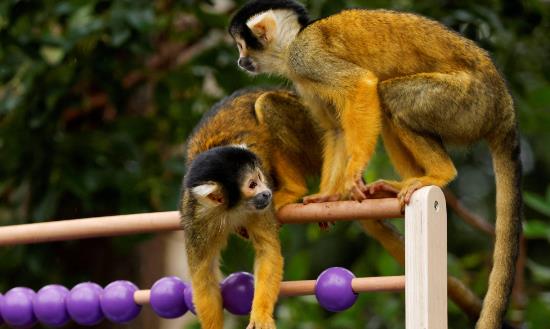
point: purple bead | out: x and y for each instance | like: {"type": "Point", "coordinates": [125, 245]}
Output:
{"type": "Point", "coordinates": [83, 304]}
{"type": "Point", "coordinates": [17, 309]}
{"type": "Point", "coordinates": [49, 305]}
{"type": "Point", "coordinates": [167, 297]}
{"type": "Point", "coordinates": [333, 289]}
{"type": "Point", "coordinates": [188, 296]}
{"type": "Point", "coordinates": [117, 302]}
{"type": "Point", "coordinates": [238, 292]}
{"type": "Point", "coordinates": [1, 319]}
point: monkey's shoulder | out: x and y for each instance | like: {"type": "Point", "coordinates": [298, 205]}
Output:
{"type": "Point", "coordinates": [236, 119]}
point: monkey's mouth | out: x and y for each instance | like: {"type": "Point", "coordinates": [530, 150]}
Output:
{"type": "Point", "coordinates": [262, 205]}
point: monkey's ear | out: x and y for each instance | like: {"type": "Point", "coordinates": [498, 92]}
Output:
{"type": "Point", "coordinates": [209, 194]}
{"type": "Point", "coordinates": [263, 26]}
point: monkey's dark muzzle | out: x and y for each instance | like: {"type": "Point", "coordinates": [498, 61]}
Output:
{"type": "Point", "coordinates": [247, 63]}
{"type": "Point", "coordinates": [262, 200]}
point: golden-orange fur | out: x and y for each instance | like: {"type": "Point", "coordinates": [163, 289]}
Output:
{"type": "Point", "coordinates": [366, 72]}
{"type": "Point", "coordinates": [273, 125]}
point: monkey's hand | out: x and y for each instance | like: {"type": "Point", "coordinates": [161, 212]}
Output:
{"type": "Point", "coordinates": [357, 189]}
{"type": "Point", "coordinates": [318, 198]}
{"type": "Point", "coordinates": [267, 323]}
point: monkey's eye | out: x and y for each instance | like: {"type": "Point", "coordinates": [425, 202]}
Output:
{"type": "Point", "coordinates": [252, 184]}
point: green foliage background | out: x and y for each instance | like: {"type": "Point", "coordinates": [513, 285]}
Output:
{"type": "Point", "coordinates": [97, 98]}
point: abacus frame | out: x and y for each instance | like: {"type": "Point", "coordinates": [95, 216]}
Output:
{"type": "Point", "coordinates": [424, 282]}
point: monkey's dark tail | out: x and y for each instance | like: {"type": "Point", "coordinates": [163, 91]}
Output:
{"type": "Point", "coordinates": [507, 167]}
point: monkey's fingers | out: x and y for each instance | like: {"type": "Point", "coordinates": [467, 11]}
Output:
{"type": "Point", "coordinates": [357, 194]}
{"type": "Point", "coordinates": [318, 198]}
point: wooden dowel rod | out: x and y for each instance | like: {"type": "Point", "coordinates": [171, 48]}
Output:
{"type": "Point", "coordinates": [142, 297]}
{"type": "Point", "coordinates": [382, 283]}
{"type": "Point", "coordinates": [89, 228]}
{"type": "Point", "coordinates": [297, 288]}
{"type": "Point", "coordinates": [307, 287]}
{"type": "Point", "coordinates": [170, 221]}
{"type": "Point", "coordinates": [340, 211]}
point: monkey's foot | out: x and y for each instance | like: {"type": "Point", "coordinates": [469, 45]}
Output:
{"type": "Point", "coordinates": [381, 189]}
{"type": "Point", "coordinates": [318, 198]}
{"type": "Point", "coordinates": [409, 187]}
{"type": "Point", "coordinates": [267, 323]}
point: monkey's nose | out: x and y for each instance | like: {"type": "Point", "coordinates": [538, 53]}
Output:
{"type": "Point", "coordinates": [266, 195]}
{"type": "Point", "coordinates": [262, 200]}
{"type": "Point", "coordinates": [246, 63]}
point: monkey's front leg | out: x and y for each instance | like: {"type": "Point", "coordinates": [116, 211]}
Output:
{"type": "Point", "coordinates": [268, 270]}
{"type": "Point", "coordinates": [205, 278]}
{"type": "Point", "coordinates": [361, 124]}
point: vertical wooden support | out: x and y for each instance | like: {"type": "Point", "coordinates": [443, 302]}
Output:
{"type": "Point", "coordinates": [426, 260]}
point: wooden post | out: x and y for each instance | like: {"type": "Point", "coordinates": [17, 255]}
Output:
{"type": "Point", "coordinates": [426, 260]}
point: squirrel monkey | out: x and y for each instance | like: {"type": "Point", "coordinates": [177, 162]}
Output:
{"type": "Point", "coordinates": [245, 147]}
{"type": "Point", "coordinates": [362, 73]}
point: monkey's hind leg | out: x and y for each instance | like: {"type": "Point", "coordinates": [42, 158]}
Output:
{"type": "Point", "coordinates": [402, 160]}
{"type": "Point", "coordinates": [268, 270]}
{"type": "Point", "coordinates": [421, 160]}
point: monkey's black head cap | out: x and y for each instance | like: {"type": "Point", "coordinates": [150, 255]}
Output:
{"type": "Point", "coordinates": [224, 165]}
{"type": "Point", "coordinates": [237, 25]}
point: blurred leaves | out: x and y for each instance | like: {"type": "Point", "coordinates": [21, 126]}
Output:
{"type": "Point", "coordinates": [538, 203]}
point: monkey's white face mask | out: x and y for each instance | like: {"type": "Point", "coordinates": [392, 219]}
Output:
{"type": "Point", "coordinates": [275, 30]}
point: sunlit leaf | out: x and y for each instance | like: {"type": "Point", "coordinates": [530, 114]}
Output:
{"type": "Point", "coordinates": [536, 229]}
{"type": "Point", "coordinates": [52, 55]}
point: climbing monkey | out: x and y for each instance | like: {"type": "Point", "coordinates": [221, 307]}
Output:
{"type": "Point", "coordinates": [363, 73]}
{"type": "Point", "coordinates": [246, 159]}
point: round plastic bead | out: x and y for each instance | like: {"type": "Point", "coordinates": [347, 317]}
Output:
{"type": "Point", "coordinates": [167, 297]}
{"type": "Point", "coordinates": [333, 289]}
{"type": "Point", "coordinates": [1, 319]}
{"type": "Point", "coordinates": [49, 305]}
{"type": "Point", "coordinates": [17, 309]}
{"type": "Point", "coordinates": [117, 302]}
{"type": "Point", "coordinates": [238, 292]}
{"type": "Point", "coordinates": [83, 304]}
{"type": "Point", "coordinates": [188, 296]}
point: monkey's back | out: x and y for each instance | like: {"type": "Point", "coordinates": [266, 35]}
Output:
{"type": "Point", "coordinates": [231, 121]}
{"type": "Point", "coordinates": [393, 44]}
{"type": "Point", "coordinates": [267, 122]}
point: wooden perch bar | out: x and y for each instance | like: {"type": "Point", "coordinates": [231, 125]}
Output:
{"type": "Point", "coordinates": [307, 287]}
{"type": "Point", "coordinates": [170, 221]}
{"type": "Point", "coordinates": [94, 227]}
{"type": "Point", "coordinates": [339, 211]}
